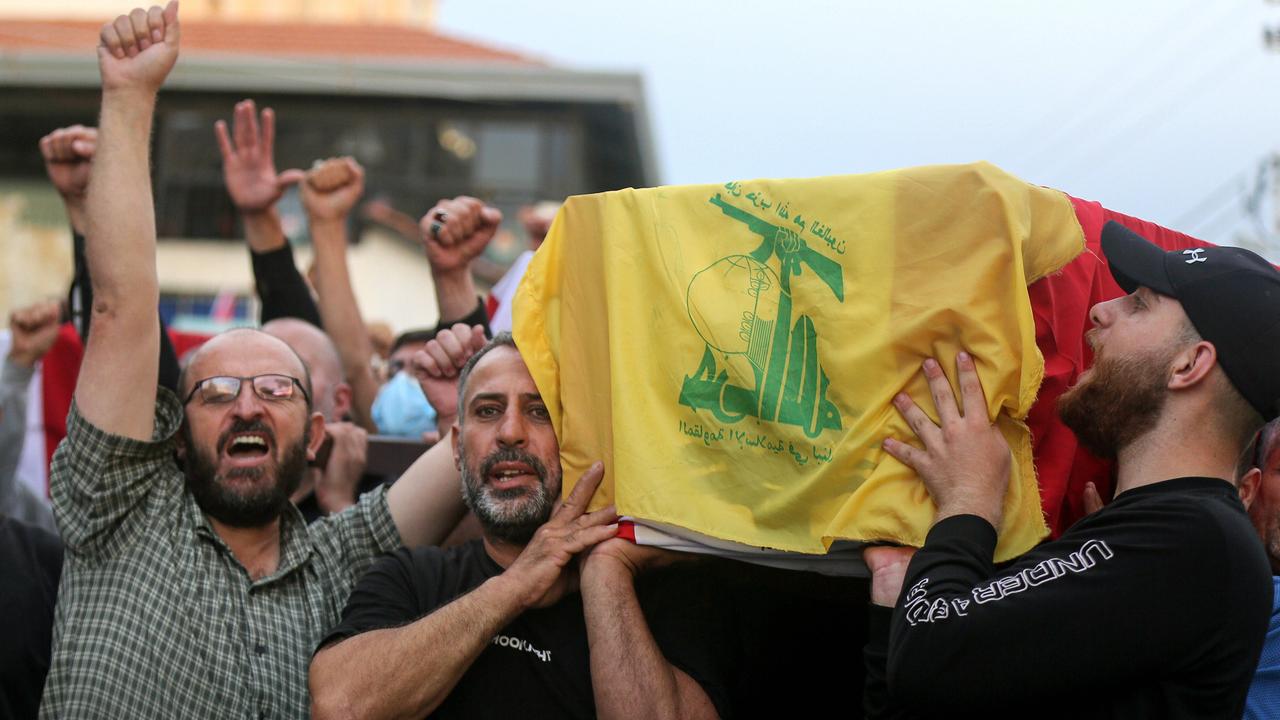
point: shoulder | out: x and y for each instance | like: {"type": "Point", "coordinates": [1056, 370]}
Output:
{"type": "Point", "coordinates": [435, 574]}
{"type": "Point", "coordinates": [1197, 528]}
{"type": "Point", "coordinates": [359, 533]}
{"type": "Point", "coordinates": [1203, 512]}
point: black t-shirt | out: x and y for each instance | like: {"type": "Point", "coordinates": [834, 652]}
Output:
{"type": "Point", "coordinates": [30, 565]}
{"type": "Point", "coordinates": [1155, 606]}
{"type": "Point", "coordinates": [538, 666]}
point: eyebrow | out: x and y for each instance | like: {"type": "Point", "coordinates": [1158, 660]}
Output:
{"type": "Point", "coordinates": [1149, 294]}
{"type": "Point", "coordinates": [485, 397]}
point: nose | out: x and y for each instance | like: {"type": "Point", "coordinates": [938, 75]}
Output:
{"type": "Point", "coordinates": [1103, 313]}
{"type": "Point", "coordinates": [247, 405]}
{"type": "Point", "coordinates": [512, 430]}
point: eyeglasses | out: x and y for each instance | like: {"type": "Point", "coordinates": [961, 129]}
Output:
{"type": "Point", "coordinates": [222, 389]}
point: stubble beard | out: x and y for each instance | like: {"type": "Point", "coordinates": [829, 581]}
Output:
{"type": "Point", "coordinates": [511, 515]}
{"type": "Point", "coordinates": [261, 505]}
{"type": "Point", "coordinates": [1118, 403]}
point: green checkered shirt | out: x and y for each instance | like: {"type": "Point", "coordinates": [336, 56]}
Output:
{"type": "Point", "coordinates": [156, 618]}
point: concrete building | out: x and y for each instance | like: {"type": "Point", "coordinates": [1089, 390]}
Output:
{"type": "Point", "coordinates": [428, 115]}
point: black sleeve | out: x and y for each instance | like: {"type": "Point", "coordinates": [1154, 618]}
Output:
{"type": "Point", "coordinates": [477, 316]}
{"type": "Point", "coordinates": [80, 307]}
{"type": "Point", "coordinates": [1093, 609]}
{"type": "Point", "coordinates": [282, 289]}
{"type": "Point", "coordinates": [80, 296]}
{"type": "Point", "coordinates": [384, 597]}
{"type": "Point", "coordinates": [689, 618]}
{"type": "Point", "coordinates": [876, 701]}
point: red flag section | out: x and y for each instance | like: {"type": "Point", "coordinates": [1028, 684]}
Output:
{"type": "Point", "coordinates": [61, 367]}
{"type": "Point", "coordinates": [1061, 305]}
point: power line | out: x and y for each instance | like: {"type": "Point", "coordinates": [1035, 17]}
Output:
{"type": "Point", "coordinates": [1098, 101]}
{"type": "Point", "coordinates": [1212, 199]}
{"type": "Point", "coordinates": [1149, 121]}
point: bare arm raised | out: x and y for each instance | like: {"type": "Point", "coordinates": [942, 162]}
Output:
{"type": "Point", "coordinates": [329, 193]}
{"type": "Point", "coordinates": [454, 233]}
{"type": "Point", "coordinates": [68, 159]}
{"type": "Point", "coordinates": [119, 372]}
{"type": "Point", "coordinates": [249, 172]}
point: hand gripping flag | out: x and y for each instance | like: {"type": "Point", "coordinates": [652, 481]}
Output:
{"type": "Point", "coordinates": [730, 351]}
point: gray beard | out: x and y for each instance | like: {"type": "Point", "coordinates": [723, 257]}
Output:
{"type": "Point", "coordinates": [513, 515]}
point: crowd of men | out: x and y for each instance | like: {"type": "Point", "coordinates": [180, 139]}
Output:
{"type": "Point", "coordinates": [215, 548]}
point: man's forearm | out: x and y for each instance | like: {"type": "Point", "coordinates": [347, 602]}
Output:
{"type": "Point", "coordinates": [455, 295]}
{"type": "Point", "coordinates": [121, 355]}
{"type": "Point", "coordinates": [630, 677]}
{"type": "Point", "coordinates": [77, 214]}
{"type": "Point", "coordinates": [341, 316]}
{"type": "Point", "coordinates": [425, 503]}
{"type": "Point", "coordinates": [406, 672]}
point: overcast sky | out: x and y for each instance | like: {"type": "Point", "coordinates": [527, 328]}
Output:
{"type": "Point", "coordinates": [1157, 109]}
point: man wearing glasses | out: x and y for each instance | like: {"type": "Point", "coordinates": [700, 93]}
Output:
{"type": "Point", "coordinates": [200, 591]}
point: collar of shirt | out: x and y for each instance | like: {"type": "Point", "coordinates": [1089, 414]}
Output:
{"type": "Point", "coordinates": [295, 543]}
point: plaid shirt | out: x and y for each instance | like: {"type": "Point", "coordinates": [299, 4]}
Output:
{"type": "Point", "coordinates": [156, 618]}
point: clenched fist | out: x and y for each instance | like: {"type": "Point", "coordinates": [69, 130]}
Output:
{"type": "Point", "coordinates": [332, 188]}
{"type": "Point", "coordinates": [137, 51]}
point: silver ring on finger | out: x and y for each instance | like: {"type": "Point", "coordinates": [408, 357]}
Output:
{"type": "Point", "coordinates": [435, 231]}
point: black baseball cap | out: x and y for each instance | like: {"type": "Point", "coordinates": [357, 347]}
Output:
{"type": "Point", "coordinates": [1231, 295]}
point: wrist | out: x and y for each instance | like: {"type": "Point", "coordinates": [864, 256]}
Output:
{"type": "Point", "coordinates": [602, 569]}
{"type": "Point", "coordinates": [129, 95]}
{"type": "Point", "coordinates": [992, 514]}
{"type": "Point", "coordinates": [24, 360]}
{"type": "Point", "coordinates": [515, 594]}
{"type": "Point", "coordinates": [75, 212]}
{"type": "Point", "coordinates": [326, 222]}
{"type": "Point", "coordinates": [262, 229]}
{"type": "Point", "coordinates": [452, 277]}
{"type": "Point", "coordinates": [456, 294]}
{"type": "Point", "coordinates": [328, 236]}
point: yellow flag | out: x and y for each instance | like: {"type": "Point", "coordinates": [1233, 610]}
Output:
{"type": "Point", "coordinates": [731, 351]}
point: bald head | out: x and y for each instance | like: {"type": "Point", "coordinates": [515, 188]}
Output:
{"type": "Point", "coordinates": [243, 352]}
{"type": "Point", "coordinates": [321, 357]}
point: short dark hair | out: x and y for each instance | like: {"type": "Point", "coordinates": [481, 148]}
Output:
{"type": "Point", "coordinates": [502, 339]}
{"type": "Point", "coordinates": [412, 336]}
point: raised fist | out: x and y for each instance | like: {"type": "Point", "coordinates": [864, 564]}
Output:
{"type": "Point", "coordinates": [456, 231]}
{"type": "Point", "coordinates": [68, 156]}
{"type": "Point", "coordinates": [332, 188]}
{"type": "Point", "coordinates": [34, 329]}
{"type": "Point", "coordinates": [137, 51]}
{"type": "Point", "coordinates": [437, 365]}
{"type": "Point", "coordinates": [248, 165]}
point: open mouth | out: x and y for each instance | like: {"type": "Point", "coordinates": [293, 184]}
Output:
{"type": "Point", "coordinates": [511, 474]}
{"type": "Point", "coordinates": [247, 448]}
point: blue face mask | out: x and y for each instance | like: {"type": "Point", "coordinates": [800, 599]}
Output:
{"type": "Point", "coordinates": [401, 409]}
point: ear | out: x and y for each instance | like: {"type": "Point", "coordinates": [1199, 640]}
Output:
{"type": "Point", "coordinates": [454, 435]}
{"type": "Point", "coordinates": [1192, 365]}
{"type": "Point", "coordinates": [1249, 486]}
{"type": "Point", "coordinates": [315, 426]}
{"type": "Point", "coordinates": [341, 401]}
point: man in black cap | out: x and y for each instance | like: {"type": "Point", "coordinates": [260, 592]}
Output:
{"type": "Point", "coordinates": [1154, 606]}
